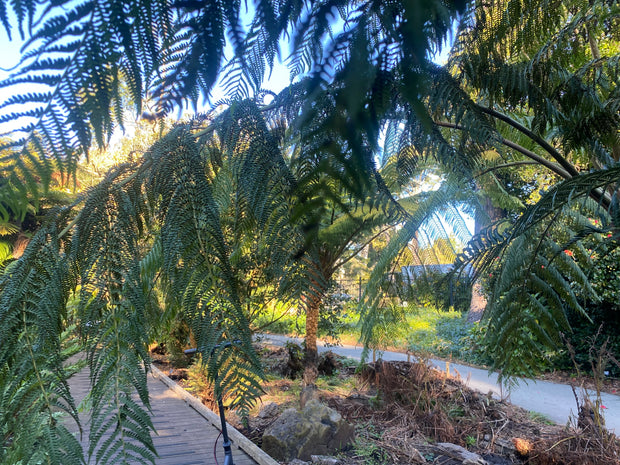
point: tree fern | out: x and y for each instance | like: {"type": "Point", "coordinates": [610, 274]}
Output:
{"type": "Point", "coordinates": [202, 206]}
{"type": "Point", "coordinates": [34, 387]}
{"type": "Point", "coordinates": [154, 220]}
{"type": "Point", "coordinates": [543, 275]}
{"type": "Point", "coordinates": [529, 305]}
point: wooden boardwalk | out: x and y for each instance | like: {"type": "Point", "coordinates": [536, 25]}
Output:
{"type": "Point", "coordinates": [185, 432]}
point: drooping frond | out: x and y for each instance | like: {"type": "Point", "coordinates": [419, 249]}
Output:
{"type": "Point", "coordinates": [543, 275]}
{"type": "Point", "coordinates": [425, 210]}
{"type": "Point", "coordinates": [198, 255]}
{"type": "Point", "coordinates": [212, 243]}
{"type": "Point", "coordinates": [85, 64]}
{"type": "Point", "coordinates": [539, 284]}
{"type": "Point", "coordinates": [112, 312]}
{"type": "Point", "coordinates": [577, 191]}
{"type": "Point", "coordinates": [34, 394]}
{"type": "Point", "coordinates": [82, 64]}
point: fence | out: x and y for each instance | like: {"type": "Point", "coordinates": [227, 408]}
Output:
{"type": "Point", "coordinates": [353, 286]}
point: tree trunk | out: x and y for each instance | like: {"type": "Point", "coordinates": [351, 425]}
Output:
{"type": "Point", "coordinates": [311, 371]}
{"type": "Point", "coordinates": [489, 215]}
{"type": "Point", "coordinates": [478, 303]}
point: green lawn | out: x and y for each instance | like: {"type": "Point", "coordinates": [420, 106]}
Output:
{"type": "Point", "coordinates": [429, 332]}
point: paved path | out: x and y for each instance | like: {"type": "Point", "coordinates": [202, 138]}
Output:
{"type": "Point", "coordinates": [185, 436]}
{"type": "Point", "coordinates": [555, 401]}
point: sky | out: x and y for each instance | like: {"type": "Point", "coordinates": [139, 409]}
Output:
{"type": "Point", "coordinates": [277, 80]}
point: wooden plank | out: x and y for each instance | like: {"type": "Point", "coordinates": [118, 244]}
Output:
{"type": "Point", "coordinates": [260, 456]}
{"type": "Point", "coordinates": [185, 436]}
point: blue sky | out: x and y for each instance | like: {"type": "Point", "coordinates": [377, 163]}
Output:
{"type": "Point", "coordinates": [9, 57]}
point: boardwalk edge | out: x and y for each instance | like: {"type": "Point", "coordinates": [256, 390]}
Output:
{"type": "Point", "coordinates": [238, 439]}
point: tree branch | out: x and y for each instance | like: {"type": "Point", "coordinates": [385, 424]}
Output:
{"type": "Point", "coordinates": [506, 165]}
{"type": "Point", "coordinates": [597, 194]}
{"type": "Point", "coordinates": [564, 163]}
{"type": "Point", "coordinates": [528, 153]}
{"type": "Point", "coordinates": [359, 249]}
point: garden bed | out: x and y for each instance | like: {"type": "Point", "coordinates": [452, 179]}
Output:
{"type": "Point", "coordinates": [401, 411]}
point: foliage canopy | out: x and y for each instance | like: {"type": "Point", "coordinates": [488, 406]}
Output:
{"type": "Point", "coordinates": [528, 82]}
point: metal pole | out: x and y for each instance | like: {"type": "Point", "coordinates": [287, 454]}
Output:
{"type": "Point", "coordinates": [228, 458]}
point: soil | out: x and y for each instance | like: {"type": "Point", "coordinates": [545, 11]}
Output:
{"type": "Point", "coordinates": [402, 411]}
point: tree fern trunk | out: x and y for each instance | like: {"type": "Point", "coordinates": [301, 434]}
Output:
{"type": "Point", "coordinates": [311, 371]}
{"type": "Point", "coordinates": [478, 303]}
{"type": "Point", "coordinates": [484, 218]}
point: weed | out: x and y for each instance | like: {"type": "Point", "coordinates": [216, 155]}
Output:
{"type": "Point", "coordinates": [456, 411]}
{"type": "Point", "coordinates": [365, 446]}
{"type": "Point", "coordinates": [540, 418]}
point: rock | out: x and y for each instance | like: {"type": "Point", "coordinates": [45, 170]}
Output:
{"type": "Point", "coordinates": [294, 364]}
{"type": "Point", "coordinates": [269, 410]}
{"type": "Point", "coordinates": [324, 460]}
{"type": "Point", "coordinates": [504, 447]}
{"type": "Point", "coordinates": [327, 364]}
{"type": "Point", "coordinates": [460, 453]}
{"type": "Point", "coordinates": [316, 430]}
{"type": "Point", "coordinates": [298, 462]}
{"type": "Point", "coordinates": [307, 394]}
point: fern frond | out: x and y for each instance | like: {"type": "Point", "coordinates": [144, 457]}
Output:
{"type": "Point", "coordinates": [422, 209]}
{"type": "Point", "coordinates": [34, 387]}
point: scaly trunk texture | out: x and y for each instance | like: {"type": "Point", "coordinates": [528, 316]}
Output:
{"type": "Point", "coordinates": [311, 371]}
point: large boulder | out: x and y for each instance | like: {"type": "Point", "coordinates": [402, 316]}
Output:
{"type": "Point", "coordinates": [316, 430]}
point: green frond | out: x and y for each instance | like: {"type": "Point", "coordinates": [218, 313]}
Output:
{"type": "Point", "coordinates": [574, 190]}
{"type": "Point", "coordinates": [539, 283]}
{"type": "Point", "coordinates": [268, 202]}
{"type": "Point", "coordinates": [422, 210]}
{"type": "Point", "coordinates": [34, 390]}
{"type": "Point", "coordinates": [552, 66]}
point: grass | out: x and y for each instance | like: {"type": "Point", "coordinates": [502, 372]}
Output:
{"type": "Point", "coordinates": [430, 332]}
{"type": "Point", "coordinates": [437, 332]}
{"type": "Point", "coordinates": [540, 418]}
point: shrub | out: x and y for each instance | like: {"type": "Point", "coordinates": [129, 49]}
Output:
{"type": "Point", "coordinates": [435, 289]}
{"type": "Point", "coordinates": [588, 336]}
{"type": "Point", "coordinates": [336, 313]}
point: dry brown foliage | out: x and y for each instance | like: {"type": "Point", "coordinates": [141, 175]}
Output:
{"type": "Point", "coordinates": [576, 448]}
{"type": "Point", "coordinates": [414, 401]}
{"type": "Point", "coordinates": [436, 405]}
{"type": "Point", "coordinates": [587, 442]}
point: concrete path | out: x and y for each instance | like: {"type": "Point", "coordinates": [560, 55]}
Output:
{"type": "Point", "coordinates": [186, 433]}
{"type": "Point", "coordinates": [555, 401]}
